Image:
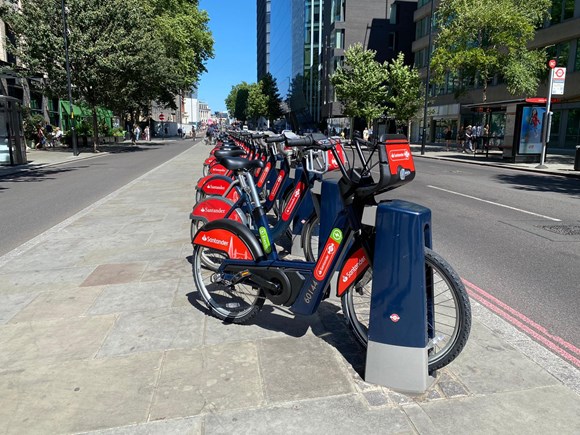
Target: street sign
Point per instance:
(558, 80)
(161, 117)
(552, 63)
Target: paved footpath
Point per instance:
(101, 331)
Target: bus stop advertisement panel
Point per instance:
(530, 121)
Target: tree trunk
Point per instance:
(95, 129)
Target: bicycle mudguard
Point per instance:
(214, 208)
(210, 160)
(230, 237)
(356, 264)
(218, 169)
(217, 185)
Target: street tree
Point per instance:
(118, 56)
(270, 89)
(237, 101)
(360, 84)
(257, 102)
(479, 39)
(405, 95)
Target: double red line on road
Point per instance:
(556, 344)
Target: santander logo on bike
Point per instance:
(212, 210)
(400, 154)
(214, 187)
(361, 261)
(214, 240)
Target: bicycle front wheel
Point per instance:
(451, 319)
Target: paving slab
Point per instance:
(208, 380)
(122, 273)
(134, 296)
(177, 426)
(544, 410)
(49, 341)
(346, 415)
(145, 331)
(42, 280)
(303, 368)
(12, 303)
(58, 304)
(73, 396)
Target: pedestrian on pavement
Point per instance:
(366, 134)
(469, 137)
(146, 135)
(193, 132)
(137, 132)
(40, 137)
(461, 139)
(132, 133)
(448, 134)
(180, 133)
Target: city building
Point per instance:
(302, 43)
(502, 111)
(382, 26)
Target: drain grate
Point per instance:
(564, 230)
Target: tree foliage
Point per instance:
(360, 84)
(478, 39)
(405, 96)
(123, 53)
(237, 101)
(270, 90)
(257, 101)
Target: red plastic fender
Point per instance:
(211, 209)
(354, 267)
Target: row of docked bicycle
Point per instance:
(260, 190)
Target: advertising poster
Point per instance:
(531, 130)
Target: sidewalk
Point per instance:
(557, 164)
(102, 331)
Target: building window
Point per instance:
(560, 52)
(577, 57)
(338, 38)
(337, 10)
(391, 41)
(572, 128)
(422, 27)
(561, 10)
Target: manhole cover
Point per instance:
(565, 230)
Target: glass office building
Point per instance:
(291, 41)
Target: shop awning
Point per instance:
(79, 111)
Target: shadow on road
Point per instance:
(35, 175)
(535, 183)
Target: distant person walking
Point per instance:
(137, 133)
(448, 134)
(193, 132)
(146, 135)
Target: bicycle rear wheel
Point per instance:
(451, 316)
(236, 303)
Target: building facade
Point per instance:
(503, 111)
(302, 43)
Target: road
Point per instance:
(499, 229)
(34, 201)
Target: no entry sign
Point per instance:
(161, 117)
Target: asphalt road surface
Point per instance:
(513, 234)
(31, 202)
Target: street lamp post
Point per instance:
(72, 115)
(427, 79)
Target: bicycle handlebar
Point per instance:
(300, 142)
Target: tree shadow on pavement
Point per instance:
(535, 183)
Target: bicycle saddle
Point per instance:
(238, 163)
(229, 152)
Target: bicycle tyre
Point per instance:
(450, 296)
(225, 302)
(310, 238)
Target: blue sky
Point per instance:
(233, 25)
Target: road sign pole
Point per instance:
(547, 119)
